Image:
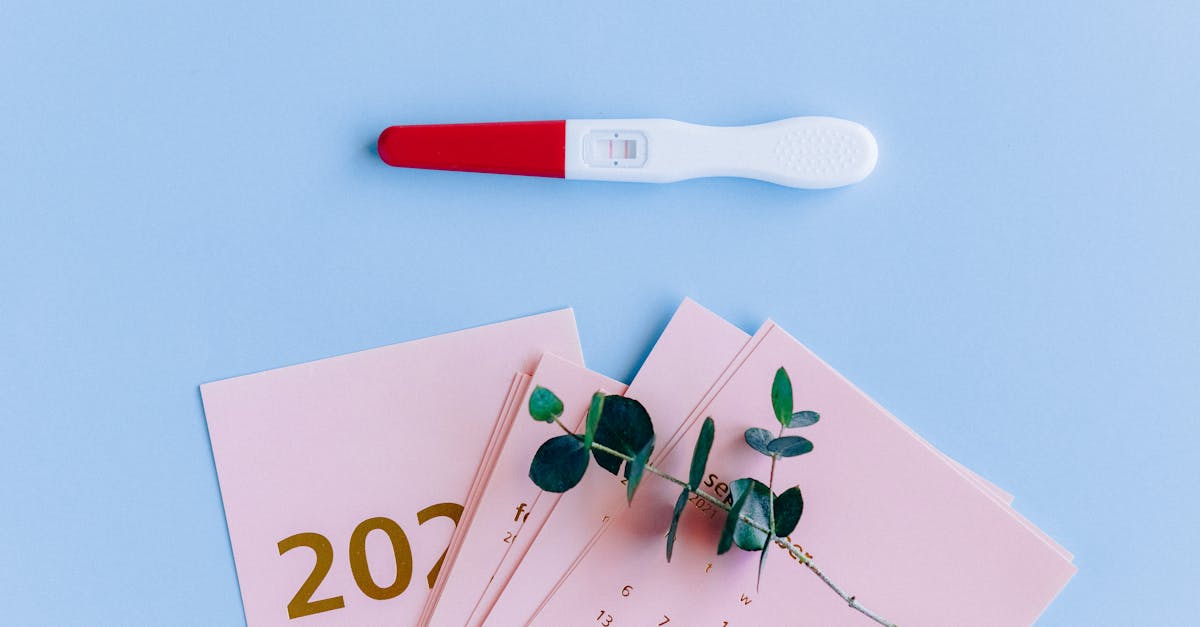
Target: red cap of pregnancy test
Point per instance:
(529, 148)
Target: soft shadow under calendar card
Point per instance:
(343, 478)
(885, 516)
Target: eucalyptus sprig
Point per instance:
(618, 432)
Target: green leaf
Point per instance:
(679, 504)
(790, 446)
(781, 397)
(758, 439)
(731, 523)
(636, 467)
(625, 427)
(700, 454)
(544, 406)
(559, 463)
(595, 410)
(804, 419)
(758, 499)
(788, 508)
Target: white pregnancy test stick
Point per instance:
(809, 152)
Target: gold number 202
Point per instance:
(303, 604)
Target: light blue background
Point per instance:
(186, 194)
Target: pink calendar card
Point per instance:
(658, 386)
(886, 517)
(343, 478)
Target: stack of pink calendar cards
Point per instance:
(391, 487)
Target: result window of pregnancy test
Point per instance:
(614, 149)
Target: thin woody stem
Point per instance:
(771, 503)
(564, 427)
(783, 543)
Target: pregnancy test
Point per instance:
(811, 152)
